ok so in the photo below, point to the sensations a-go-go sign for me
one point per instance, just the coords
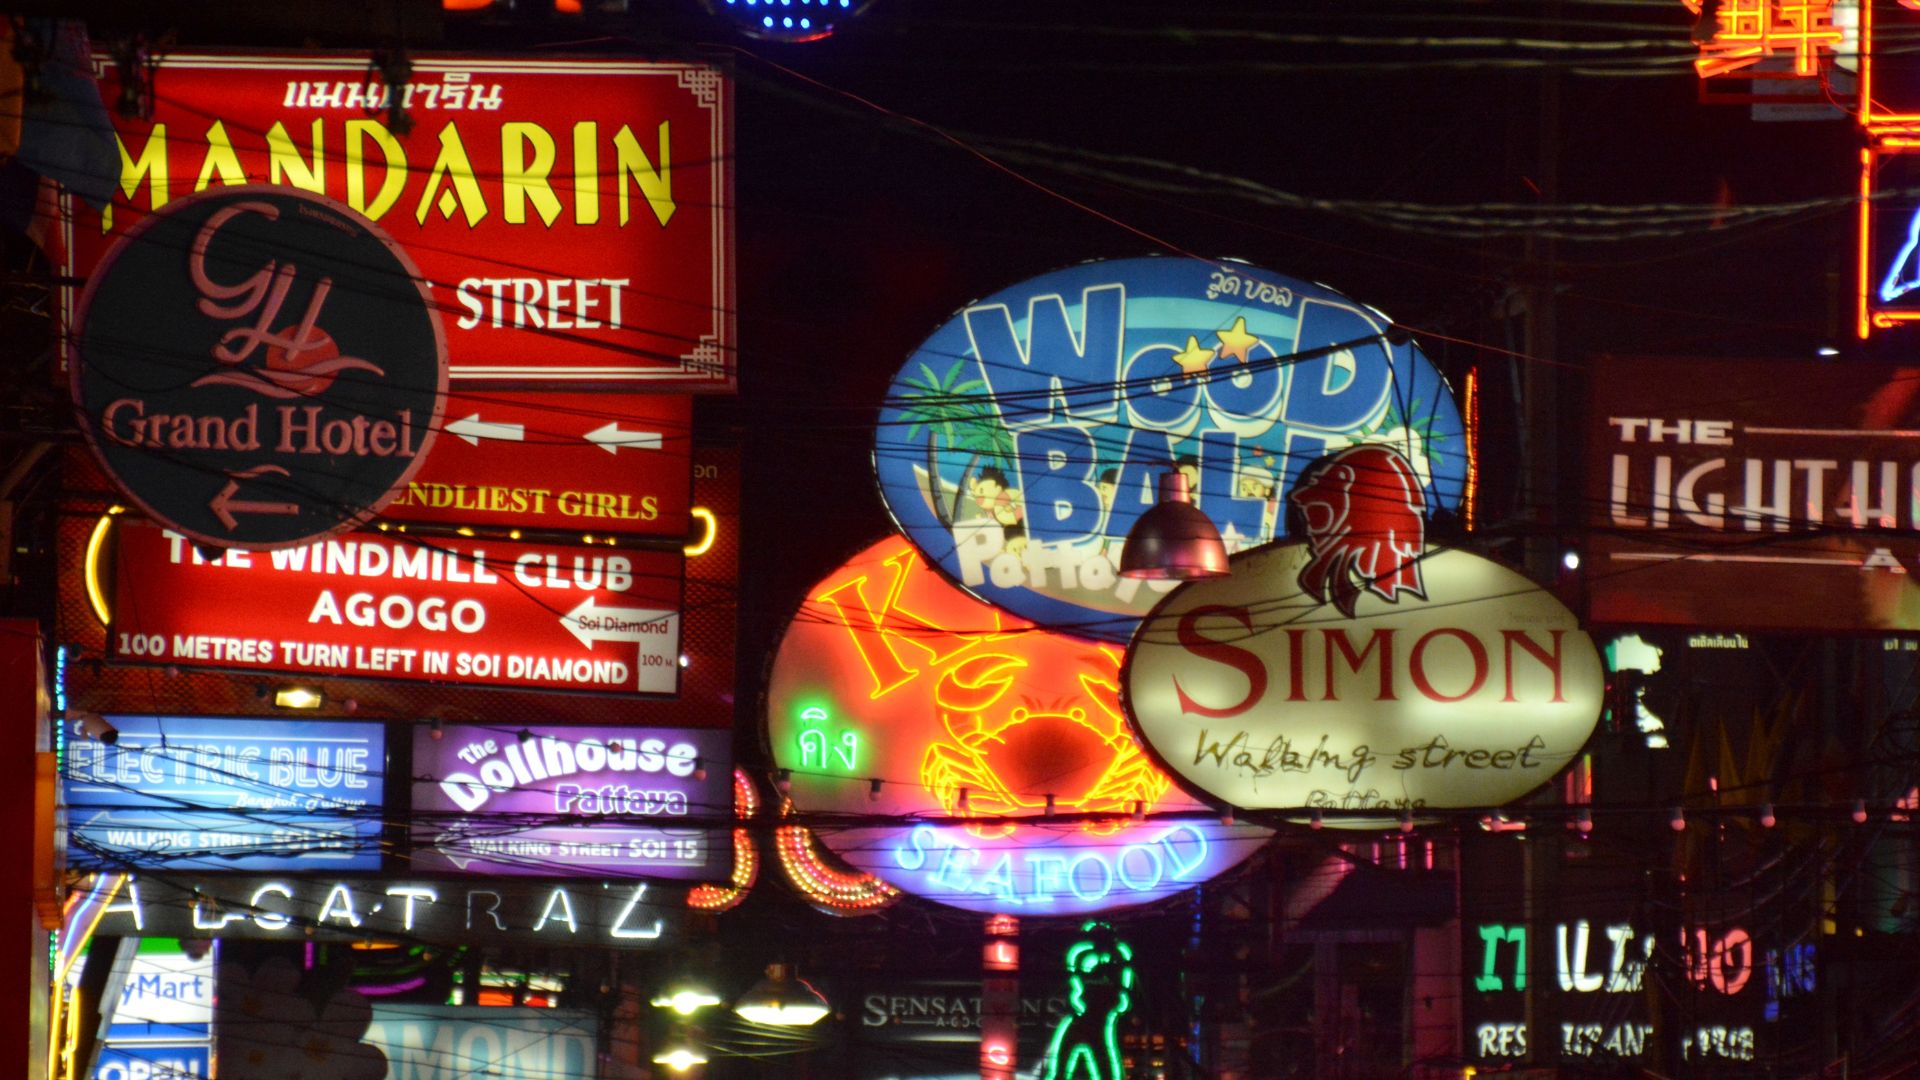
(389, 606)
(1361, 670)
(258, 366)
(1021, 441)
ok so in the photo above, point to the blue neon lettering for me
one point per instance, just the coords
(1106, 877)
(1146, 880)
(1049, 876)
(1183, 868)
(917, 857)
(950, 865)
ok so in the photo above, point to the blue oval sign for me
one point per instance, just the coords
(1021, 441)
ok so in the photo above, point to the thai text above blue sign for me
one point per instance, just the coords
(202, 793)
(1023, 439)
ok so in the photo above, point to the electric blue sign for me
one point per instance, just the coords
(202, 793)
(1022, 440)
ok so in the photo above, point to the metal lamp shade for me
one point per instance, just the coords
(1173, 540)
(782, 999)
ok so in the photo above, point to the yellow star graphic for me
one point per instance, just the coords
(1237, 342)
(1193, 359)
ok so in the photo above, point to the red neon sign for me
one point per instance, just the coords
(1750, 31)
(896, 694)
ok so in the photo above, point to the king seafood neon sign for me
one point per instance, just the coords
(1022, 440)
(896, 694)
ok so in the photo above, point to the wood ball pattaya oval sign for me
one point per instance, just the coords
(258, 366)
(1021, 442)
(995, 751)
(1361, 670)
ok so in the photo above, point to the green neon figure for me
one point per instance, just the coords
(1100, 991)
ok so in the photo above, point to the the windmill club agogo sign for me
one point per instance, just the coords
(1361, 670)
(1021, 441)
(258, 367)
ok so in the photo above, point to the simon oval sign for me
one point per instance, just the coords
(1020, 442)
(1361, 670)
(998, 749)
(258, 366)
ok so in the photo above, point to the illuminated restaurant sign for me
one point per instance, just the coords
(1588, 979)
(1361, 670)
(204, 793)
(574, 217)
(572, 802)
(387, 606)
(1786, 506)
(603, 914)
(580, 463)
(896, 694)
(258, 366)
(1021, 441)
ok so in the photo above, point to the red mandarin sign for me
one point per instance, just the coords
(573, 217)
(386, 606)
(588, 463)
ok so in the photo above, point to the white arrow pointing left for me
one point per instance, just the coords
(657, 662)
(611, 437)
(473, 429)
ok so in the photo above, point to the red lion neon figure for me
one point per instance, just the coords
(1366, 526)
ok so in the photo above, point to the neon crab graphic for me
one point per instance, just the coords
(1009, 748)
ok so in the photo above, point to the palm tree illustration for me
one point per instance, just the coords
(960, 416)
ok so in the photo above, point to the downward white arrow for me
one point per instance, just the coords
(473, 429)
(611, 438)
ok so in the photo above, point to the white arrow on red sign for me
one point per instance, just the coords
(473, 429)
(611, 437)
(589, 622)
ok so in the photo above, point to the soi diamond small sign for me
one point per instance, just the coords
(258, 367)
(1362, 670)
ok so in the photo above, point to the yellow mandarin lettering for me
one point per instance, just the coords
(286, 166)
(392, 182)
(151, 166)
(632, 162)
(586, 172)
(526, 181)
(221, 161)
(464, 194)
